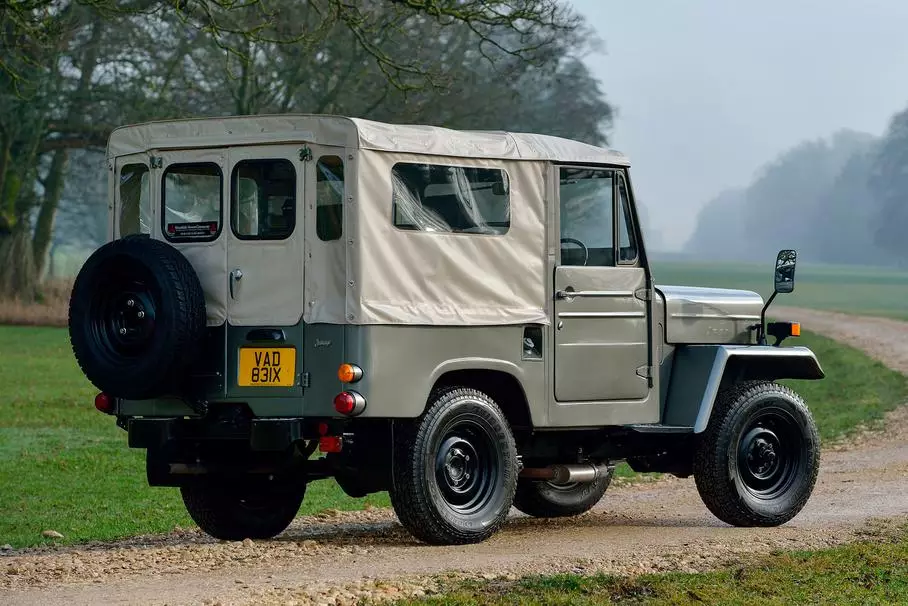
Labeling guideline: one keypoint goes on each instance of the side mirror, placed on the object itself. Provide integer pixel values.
(785, 271)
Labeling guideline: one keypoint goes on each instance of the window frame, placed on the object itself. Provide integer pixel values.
(631, 218)
(451, 233)
(177, 239)
(234, 192)
(616, 171)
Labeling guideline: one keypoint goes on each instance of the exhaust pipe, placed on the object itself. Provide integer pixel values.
(578, 473)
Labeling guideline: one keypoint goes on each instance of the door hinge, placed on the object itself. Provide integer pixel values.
(644, 294)
(156, 161)
(305, 154)
(304, 379)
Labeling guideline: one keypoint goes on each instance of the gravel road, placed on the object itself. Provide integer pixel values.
(338, 558)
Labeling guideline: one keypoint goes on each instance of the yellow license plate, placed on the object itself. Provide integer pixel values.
(267, 366)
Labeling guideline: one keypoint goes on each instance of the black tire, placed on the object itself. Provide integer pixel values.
(455, 469)
(136, 318)
(547, 500)
(232, 513)
(757, 462)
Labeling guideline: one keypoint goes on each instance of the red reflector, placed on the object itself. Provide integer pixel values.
(104, 403)
(330, 444)
(344, 403)
(322, 429)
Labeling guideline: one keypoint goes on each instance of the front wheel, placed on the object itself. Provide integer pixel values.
(455, 469)
(234, 513)
(757, 462)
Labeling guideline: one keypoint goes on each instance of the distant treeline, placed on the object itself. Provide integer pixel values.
(840, 200)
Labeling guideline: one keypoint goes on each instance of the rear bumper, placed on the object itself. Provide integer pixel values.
(258, 434)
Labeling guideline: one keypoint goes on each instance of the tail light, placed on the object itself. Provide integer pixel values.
(105, 403)
(349, 403)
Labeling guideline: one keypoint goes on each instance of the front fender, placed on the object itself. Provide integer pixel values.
(699, 371)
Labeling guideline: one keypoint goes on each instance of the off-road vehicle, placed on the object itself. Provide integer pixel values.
(466, 320)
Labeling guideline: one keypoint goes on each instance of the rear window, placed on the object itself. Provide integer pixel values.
(264, 199)
(192, 201)
(135, 200)
(329, 198)
(451, 199)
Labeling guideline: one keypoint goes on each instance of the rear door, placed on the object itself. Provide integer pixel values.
(264, 235)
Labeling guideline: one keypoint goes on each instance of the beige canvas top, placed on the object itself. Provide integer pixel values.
(378, 273)
(353, 133)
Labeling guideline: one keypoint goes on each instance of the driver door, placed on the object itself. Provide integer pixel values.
(602, 351)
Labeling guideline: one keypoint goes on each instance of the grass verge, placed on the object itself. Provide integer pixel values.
(65, 467)
(868, 572)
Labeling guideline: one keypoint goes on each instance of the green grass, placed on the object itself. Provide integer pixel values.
(856, 390)
(66, 467)
(869, 572)
(862, 290)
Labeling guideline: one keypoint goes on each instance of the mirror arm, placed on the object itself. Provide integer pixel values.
(761, 329)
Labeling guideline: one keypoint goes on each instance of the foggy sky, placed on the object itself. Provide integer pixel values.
(707, 91)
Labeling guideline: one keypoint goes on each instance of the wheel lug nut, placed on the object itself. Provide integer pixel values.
(122, 331)
(130, 303)
(140, 315)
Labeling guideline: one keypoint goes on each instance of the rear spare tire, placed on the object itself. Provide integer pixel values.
(136, 318)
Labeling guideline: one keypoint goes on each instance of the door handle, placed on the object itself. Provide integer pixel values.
(565, 295)
(235, 276)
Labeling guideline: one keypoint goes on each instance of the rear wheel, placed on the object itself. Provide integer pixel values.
(547, 500)
(455, 469)
(234, 513)
(757, 462)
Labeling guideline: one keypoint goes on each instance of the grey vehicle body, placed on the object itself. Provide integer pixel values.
(538, 293)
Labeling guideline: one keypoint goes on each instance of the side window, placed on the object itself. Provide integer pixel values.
(587, 200)
(627, 243)
(263, 205)
(135, 200)
(450, 199)
(329, 198)
(192, 202)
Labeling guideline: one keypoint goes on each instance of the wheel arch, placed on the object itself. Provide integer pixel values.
(499, 379)
(701, 371)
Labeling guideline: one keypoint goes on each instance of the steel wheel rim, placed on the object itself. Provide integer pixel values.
(466, 466)
(769, 453)
(123, 314)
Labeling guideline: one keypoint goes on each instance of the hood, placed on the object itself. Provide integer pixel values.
(709, 315)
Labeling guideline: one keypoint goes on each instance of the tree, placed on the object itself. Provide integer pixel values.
(888, 183)
(70, 70)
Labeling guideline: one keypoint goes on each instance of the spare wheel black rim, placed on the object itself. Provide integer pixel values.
(769, 453)
(123, 311)
(467, 466)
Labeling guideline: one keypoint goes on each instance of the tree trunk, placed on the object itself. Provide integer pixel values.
(53, 183)
(18, 280)
(44, 226)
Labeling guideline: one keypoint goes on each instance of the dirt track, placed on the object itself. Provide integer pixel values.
(335, 559)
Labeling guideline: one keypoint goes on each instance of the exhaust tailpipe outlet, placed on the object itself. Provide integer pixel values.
(574, 473)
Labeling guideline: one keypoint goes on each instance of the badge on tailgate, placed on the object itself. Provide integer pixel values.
(267, 366)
